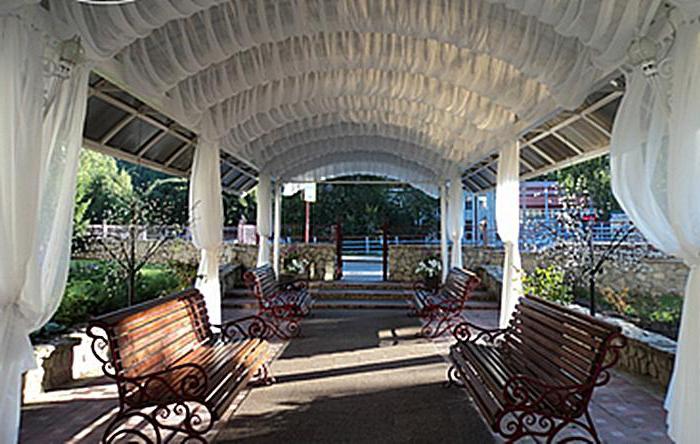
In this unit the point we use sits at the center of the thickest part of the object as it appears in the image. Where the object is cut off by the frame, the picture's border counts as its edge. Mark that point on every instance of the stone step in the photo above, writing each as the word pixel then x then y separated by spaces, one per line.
pixel 329 293
pixel 355 304
pixel 362 285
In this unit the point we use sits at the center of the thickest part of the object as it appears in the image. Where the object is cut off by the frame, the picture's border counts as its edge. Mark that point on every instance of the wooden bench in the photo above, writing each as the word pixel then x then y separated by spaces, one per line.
pixel 536 378
pixel 283 303
pixel 174 374
pixel 442 309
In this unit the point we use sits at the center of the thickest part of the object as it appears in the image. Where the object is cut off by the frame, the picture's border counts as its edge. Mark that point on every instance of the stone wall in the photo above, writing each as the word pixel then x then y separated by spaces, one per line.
pixel 321 256
pixel 646 354
pixel 654 276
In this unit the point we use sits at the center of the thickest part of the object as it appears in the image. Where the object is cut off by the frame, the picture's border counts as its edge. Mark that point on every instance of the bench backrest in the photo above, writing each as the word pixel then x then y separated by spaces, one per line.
pixel 459 283
pixel 556 344
pixel 152 336
pixel 262 282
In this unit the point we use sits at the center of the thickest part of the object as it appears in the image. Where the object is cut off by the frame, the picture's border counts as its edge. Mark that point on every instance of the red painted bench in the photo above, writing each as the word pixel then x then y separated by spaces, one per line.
pixel 535 378
pixel 442 309
pixel 175 375
pixel 284 304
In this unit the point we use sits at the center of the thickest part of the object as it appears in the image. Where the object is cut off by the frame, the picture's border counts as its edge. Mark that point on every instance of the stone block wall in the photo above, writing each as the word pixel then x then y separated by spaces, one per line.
pixel 654 276
pixel 321 256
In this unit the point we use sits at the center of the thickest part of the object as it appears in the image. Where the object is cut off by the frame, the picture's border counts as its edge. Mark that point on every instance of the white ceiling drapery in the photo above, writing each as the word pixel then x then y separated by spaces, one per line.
pixel 468 75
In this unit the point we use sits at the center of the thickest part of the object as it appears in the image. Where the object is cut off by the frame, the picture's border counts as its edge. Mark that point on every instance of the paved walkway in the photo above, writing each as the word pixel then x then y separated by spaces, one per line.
pixel 356 376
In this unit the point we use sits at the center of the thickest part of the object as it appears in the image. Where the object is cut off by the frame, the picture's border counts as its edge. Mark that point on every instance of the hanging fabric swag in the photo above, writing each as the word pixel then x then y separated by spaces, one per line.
pixel 456 215
pixel 508 224
pixel 264 217
pixel 41 127
pixel 206 223
pixel 654 161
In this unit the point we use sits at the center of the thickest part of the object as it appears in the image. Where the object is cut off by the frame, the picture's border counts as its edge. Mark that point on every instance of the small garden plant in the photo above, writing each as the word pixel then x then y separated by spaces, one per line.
pixel 429 268
pixel 294 262
pixel 548 283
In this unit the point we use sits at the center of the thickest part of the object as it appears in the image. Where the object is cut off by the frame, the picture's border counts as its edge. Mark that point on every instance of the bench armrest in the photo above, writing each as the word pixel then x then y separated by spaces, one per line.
pixel 463 333
pixel 253 326
pixel 523 392
pixel 419 286
pixel 184 381
pixel 296 285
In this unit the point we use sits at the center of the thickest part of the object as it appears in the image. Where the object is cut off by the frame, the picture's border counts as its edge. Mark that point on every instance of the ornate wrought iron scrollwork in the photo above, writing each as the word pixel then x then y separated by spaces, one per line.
pixel 468 332
pixel 133 426
pixel 454 377
pixel 611 350
pixel 187 382
pixel 254 327
pixel 101 348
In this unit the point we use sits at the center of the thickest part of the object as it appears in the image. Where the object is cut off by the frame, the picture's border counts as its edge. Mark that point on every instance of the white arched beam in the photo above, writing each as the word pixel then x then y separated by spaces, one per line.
pixel 265 148
pixel 361 147
pixel 322 53
pixel 444 129
pixel 381 164
pixel 477 110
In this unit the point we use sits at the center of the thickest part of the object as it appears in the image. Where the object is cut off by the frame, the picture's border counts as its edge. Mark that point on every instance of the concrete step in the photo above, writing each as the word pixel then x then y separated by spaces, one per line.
pixel 364 304
pixel 359 292
pixel 361 285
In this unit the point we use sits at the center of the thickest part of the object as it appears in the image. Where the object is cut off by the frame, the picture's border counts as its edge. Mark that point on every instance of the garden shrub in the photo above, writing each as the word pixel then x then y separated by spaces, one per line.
pixel 548 283
pixel 659 313
pixel 97 287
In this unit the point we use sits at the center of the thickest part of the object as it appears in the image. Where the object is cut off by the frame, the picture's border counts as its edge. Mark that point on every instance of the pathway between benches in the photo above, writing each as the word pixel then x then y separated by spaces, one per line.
pixel 357 376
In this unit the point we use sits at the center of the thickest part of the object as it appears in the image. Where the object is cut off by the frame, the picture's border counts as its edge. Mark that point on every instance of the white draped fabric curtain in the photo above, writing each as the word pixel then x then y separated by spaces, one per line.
pixel 264 217
pixel 444 253
pixel 455 209
pixel 206 223
pixel 39 152
pixel 508 225
pixel 655 163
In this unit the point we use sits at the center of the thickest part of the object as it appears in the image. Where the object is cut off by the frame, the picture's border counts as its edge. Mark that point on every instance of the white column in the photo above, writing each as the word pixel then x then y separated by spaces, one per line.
pixel 264 217
pixel 278 229
pixel 207 223
pixel 444 255
pixel 508 225
pixel 456 216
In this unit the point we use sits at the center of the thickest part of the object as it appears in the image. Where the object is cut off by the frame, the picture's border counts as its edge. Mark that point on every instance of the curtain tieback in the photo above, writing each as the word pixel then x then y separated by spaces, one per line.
pixel 16 328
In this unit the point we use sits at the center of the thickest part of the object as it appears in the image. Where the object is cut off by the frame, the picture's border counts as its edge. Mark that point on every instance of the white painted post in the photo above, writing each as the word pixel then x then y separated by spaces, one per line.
pixel 278 229
pixel 443 230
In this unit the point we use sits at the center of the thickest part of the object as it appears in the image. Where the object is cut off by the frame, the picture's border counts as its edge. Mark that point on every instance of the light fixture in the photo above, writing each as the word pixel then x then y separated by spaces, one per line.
pixel 642 52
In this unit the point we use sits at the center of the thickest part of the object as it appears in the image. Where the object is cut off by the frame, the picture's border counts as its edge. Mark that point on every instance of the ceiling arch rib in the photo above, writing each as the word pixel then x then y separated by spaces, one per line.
pixel 452 126
pixel 482 74
pixel 278 141
pixel 348 145
pixel 334 165
pixel 459 143
pixel 468 110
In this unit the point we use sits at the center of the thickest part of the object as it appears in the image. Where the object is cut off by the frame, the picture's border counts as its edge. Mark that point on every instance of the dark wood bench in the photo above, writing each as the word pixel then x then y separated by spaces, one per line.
pixel 441 309
pixel 175 374
pixel 536 378
pixel 283 303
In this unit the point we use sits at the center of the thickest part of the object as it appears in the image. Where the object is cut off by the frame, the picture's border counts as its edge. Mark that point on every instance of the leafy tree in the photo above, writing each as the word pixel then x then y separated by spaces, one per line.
pixel 145 228
pixel 100 187
pixel 363 209
pixel 591 177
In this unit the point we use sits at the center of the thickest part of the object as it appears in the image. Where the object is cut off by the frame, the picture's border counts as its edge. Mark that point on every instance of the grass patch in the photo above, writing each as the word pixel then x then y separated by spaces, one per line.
pixel 97 287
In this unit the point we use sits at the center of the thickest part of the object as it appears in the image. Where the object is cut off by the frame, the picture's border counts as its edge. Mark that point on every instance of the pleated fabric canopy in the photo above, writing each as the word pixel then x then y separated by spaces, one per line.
pixel 430 84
